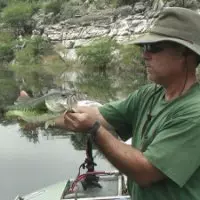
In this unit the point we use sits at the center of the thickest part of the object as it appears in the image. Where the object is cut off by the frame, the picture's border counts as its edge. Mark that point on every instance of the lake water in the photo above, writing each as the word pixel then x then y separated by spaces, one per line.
pixel 27 166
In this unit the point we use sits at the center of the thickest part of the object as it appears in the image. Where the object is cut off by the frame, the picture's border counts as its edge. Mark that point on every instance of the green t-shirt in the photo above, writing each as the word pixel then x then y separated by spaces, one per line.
pixel 170 141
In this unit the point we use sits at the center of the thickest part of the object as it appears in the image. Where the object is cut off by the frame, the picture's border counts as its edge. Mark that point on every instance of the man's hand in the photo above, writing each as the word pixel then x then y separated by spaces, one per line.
pixel 82 119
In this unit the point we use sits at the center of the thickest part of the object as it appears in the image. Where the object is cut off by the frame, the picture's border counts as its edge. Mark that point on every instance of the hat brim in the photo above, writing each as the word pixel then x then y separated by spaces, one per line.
pixel 153 38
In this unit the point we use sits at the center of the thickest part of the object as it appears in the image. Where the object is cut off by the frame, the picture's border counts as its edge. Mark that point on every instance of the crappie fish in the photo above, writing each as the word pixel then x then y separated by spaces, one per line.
pixel 47 108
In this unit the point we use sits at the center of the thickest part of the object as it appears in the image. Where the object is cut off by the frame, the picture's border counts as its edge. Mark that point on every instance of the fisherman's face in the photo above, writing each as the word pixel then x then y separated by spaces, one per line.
pixel 163 61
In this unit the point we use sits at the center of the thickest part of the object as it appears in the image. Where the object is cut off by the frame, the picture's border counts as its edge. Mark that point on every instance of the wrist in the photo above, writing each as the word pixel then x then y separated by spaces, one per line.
pixel 93 132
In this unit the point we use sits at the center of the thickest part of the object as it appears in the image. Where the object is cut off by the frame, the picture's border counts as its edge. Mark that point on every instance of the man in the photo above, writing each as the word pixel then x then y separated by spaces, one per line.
pixel 163 119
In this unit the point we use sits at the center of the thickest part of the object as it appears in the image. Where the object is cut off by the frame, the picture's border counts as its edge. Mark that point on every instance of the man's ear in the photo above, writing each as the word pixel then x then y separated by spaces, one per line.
pixel 191 57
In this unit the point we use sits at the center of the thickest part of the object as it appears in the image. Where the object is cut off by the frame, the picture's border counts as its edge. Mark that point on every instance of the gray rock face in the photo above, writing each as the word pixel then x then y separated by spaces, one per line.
pixel 122 24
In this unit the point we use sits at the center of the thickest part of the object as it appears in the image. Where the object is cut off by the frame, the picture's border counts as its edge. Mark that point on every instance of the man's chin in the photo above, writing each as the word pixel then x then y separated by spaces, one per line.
pixel 150 78
pixel 153 79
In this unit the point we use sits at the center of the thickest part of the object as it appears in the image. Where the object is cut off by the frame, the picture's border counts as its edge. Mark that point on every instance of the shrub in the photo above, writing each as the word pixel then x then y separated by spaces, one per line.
pixel 6 47
pixel 71 9
pixel 53 6
pixel 33 50
pixel 98 55
pixel 6 52
pixel 118 3
pixel 126 2
pixel 3 4
pixel 6 37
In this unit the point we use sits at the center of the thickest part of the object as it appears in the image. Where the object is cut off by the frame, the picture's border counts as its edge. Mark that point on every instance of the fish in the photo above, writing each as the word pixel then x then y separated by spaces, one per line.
pixel 47 108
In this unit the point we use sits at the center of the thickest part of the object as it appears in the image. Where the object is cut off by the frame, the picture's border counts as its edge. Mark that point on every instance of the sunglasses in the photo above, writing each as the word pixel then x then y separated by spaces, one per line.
pixel 152 48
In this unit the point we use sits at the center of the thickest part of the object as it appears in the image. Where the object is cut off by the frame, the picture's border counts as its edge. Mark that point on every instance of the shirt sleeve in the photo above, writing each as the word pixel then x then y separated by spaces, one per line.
pixel 121 115
pixel 175 149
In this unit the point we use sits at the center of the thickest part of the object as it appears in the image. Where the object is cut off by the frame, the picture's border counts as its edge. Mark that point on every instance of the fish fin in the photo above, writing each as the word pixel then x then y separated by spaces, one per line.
pixel 49 123
pixel 46 125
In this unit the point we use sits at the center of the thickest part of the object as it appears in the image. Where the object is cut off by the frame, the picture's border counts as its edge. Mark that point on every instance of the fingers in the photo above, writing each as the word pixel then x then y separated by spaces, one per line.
pixel 80 120
pixel 71 121
pixel 68 118
pixel 71 116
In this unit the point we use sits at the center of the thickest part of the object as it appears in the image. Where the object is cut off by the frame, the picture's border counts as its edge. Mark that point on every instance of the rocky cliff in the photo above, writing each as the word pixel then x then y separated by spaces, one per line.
pixel 121 24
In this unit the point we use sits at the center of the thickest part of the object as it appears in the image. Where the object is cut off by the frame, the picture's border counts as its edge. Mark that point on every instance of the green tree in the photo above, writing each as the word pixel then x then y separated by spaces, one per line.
pixel 18 17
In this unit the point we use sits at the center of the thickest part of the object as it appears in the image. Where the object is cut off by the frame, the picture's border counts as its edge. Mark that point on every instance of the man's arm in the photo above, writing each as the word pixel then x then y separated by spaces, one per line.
pixel 127 159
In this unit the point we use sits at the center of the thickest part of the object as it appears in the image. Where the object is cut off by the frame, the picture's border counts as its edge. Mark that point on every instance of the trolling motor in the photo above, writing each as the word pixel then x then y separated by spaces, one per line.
pixel 91 180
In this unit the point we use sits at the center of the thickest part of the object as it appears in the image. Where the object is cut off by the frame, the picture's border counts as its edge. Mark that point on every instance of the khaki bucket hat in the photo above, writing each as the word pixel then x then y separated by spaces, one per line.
pixel 176 24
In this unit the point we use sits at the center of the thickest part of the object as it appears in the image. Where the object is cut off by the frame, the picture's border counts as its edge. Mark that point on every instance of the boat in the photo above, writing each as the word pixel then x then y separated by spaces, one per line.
pixel 112 186
pixel 91 185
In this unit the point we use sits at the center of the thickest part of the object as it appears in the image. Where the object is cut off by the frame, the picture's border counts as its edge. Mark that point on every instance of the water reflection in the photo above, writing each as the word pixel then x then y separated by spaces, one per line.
pixel 8 88
pixel 31 136
pixel 97 87
pixel 78 140
pixel 27 166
